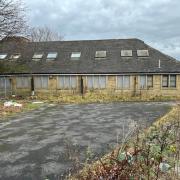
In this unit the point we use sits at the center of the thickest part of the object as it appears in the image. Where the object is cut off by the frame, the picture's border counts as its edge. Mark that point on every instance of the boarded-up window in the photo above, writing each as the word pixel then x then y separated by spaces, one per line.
pixel 126 53
pixel 67 82
pixel 23 82
pixel 41 82
pixel 5 83
pixel 142 53
pixel 142 82
pixel 96 82
pixel 100 55
pixel 123 82
pixel 146 81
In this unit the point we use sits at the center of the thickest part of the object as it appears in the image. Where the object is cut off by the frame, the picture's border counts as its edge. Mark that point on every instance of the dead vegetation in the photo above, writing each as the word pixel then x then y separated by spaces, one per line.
pixel 151 154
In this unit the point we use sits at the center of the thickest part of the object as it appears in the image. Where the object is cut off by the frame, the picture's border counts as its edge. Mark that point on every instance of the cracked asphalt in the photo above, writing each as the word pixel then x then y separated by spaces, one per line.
pixel 34 145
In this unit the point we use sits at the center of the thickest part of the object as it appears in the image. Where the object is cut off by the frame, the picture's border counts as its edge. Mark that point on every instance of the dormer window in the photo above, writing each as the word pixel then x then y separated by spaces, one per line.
pixel 15 56
pixel 75 55
pixel 37 56
pixel 126 53
pixel 3 56
pixel 52 56
pixel 142 53
pixel 100 55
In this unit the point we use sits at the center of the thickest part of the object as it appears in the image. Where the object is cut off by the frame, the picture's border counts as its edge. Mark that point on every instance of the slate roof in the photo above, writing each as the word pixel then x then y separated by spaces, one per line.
pixel 87 64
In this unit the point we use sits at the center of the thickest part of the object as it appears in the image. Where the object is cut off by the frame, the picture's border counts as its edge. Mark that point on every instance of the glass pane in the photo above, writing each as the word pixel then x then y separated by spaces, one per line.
pixel 96 82
pixel 120 82
pixel 2 83
pixel 126 83
pixel 73 82
pixel 3 56
pixel 149 81
pixel 37 82
pixel 165 81
pixel 89 82
pixel 5 83
pixel 44 82
pixel 172 80
pixel 37 55
pixel 142 82
pixel 102 82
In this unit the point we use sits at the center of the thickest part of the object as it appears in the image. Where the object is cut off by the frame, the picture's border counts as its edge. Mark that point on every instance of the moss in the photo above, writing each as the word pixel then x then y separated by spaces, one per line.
pixel 13 68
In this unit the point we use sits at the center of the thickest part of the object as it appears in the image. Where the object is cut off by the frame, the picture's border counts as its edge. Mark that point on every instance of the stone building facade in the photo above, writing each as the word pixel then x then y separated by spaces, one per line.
pixel 126 67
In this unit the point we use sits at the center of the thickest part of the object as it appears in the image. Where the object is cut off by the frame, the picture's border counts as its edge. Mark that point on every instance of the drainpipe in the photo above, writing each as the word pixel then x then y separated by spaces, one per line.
pixel 32 86
pixel 82 86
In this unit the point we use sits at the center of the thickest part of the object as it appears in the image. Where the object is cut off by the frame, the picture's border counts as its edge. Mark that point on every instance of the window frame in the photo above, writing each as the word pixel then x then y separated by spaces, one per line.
pixel 142 50
pixel 12 57
pixel 37 58
pixel 169 81
pixel 41 77
pixel 24 87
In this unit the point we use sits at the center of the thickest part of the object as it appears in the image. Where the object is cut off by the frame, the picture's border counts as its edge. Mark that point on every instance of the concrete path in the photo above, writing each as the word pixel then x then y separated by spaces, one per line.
pixel 42 144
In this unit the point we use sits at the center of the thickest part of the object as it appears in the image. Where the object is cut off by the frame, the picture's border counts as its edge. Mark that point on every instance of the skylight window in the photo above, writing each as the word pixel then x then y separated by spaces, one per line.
pixel 126 53
pixel 142 53
pixel 75 55
pixel 3 56
pixel 100 55
pixel 15 56
pixel 52 56
pixel 37 56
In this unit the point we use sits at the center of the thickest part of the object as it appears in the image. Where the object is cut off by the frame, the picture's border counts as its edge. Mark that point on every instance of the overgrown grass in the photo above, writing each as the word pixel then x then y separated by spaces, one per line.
pixel 153 153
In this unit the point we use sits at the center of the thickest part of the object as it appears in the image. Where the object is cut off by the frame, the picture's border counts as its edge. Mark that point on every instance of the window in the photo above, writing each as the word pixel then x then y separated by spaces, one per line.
pixel 15 56
pixel 75 55
pixel 23 82
pixel 123 82
pixel 146 81
pixel 37 56
pixel 100 55
pixel 67 82
pixel 169 81
pixel 126 53
pixel 3 56
pixel 96 82
pixel 142 53
pixel 51 56
pixel 5 83
pixel 41 82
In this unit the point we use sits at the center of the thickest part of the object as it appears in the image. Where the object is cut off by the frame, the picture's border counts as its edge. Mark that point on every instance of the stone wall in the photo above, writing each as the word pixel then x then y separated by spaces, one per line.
pixel 133 91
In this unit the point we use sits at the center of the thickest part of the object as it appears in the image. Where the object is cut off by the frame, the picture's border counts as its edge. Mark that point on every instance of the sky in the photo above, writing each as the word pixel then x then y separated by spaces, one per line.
pixel 156 22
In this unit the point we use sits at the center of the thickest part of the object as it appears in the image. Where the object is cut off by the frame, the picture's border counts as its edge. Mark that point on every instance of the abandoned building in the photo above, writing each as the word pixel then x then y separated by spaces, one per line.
pixel 120 66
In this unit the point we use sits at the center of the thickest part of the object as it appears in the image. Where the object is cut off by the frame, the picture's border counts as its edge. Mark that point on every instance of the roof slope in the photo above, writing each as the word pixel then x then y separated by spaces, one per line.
pixel 114 63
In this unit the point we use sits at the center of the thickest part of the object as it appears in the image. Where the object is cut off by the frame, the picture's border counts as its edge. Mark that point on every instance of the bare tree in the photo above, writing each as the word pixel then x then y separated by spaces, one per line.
pixel 12 21
pixel 39 34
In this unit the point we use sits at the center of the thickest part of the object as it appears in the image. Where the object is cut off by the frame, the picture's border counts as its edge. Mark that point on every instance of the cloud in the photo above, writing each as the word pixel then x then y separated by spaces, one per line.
pixel 156 22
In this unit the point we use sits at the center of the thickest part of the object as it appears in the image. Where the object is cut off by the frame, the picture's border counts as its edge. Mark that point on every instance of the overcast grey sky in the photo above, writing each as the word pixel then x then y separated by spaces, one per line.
pixel 157 22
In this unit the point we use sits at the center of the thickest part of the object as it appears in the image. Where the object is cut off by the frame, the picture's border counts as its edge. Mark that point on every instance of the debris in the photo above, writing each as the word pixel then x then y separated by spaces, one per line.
pixel 37 102
pixel 164 167
pixel 11 103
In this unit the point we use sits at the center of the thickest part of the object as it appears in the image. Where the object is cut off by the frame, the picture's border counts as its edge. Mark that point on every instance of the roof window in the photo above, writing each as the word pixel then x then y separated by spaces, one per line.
pixel 3 56
pixel 126 53
pixel 15 56
pixel 37 56
pixel 75 55
pixel 142 53
pixel 52 56
pixel 100 55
